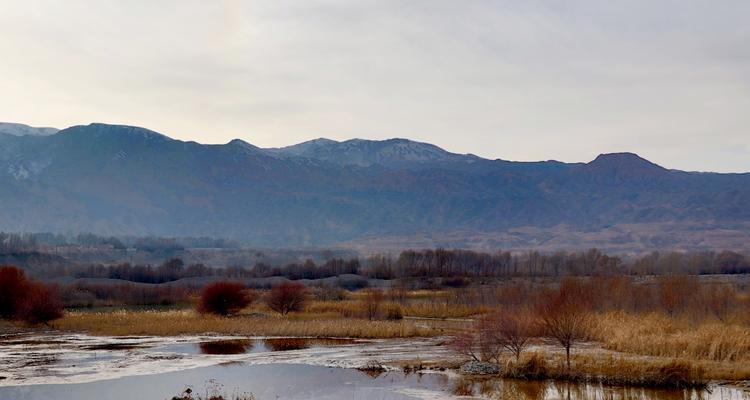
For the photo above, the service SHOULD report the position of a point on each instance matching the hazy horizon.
(524, 82)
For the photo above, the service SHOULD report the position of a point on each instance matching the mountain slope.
(391, 152)
(22, 130)
(114, 179)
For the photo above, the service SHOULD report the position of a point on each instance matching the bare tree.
(513, 330)
(563, 319)
(286, 297)
(371, 302)
(464, 343)
(718, 300)
(478, 342)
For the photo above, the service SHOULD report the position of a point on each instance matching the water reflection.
(241, 346)
(298, 382)
(234, 346)
(489, 388)
(286, 344)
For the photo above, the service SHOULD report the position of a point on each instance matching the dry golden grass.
(413, 308)
(661, 336)
(428, 309)
(341, 307)
(624, 370)
(167, 323)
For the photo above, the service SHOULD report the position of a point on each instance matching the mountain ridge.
(117, 179)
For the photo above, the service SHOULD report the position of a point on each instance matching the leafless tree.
(513, 330)
(563, 319)
(286, 297)
(373, 299)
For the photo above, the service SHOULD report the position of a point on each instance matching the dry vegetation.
(660, 336)
(673, 330)
(167, 323)
(669, 331)
(609, 369)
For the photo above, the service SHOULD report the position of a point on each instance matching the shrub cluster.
(224, 298)
(27, 300)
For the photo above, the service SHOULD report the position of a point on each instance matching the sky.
(517, 80)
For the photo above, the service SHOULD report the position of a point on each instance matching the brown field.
(168, 323)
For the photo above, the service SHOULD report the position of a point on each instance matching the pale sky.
(517, 80)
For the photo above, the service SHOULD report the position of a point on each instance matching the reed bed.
(657, 335)
(612, 370)
(427, 309)
(625, 369)
(418, 308)
(169, 323)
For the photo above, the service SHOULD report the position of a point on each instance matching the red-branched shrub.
(224, 298)
(41, 304)
(286, 297)
(13, 287)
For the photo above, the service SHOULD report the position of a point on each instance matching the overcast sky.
(517, 80)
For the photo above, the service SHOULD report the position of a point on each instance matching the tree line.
(435, 263)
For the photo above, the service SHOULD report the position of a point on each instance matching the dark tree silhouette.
(41, 304)
(13, 288)
(224, 298)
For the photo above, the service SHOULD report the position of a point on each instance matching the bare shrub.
(513, 329)
(13, 287)
(86, 294)
(718, 300)
(328, 292)
(465, 344)
(373, 298)
(287, 297)
(676, 291)
(41, 304)
(224, 298)
(563, 318)
(480, 342)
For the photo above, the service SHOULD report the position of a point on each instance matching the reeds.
(610, 370)
(658, 335)
(168, 323)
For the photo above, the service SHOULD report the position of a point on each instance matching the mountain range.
(125, 180)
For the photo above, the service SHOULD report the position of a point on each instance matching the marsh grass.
(611, 370)
(661, 336)
(168, 323)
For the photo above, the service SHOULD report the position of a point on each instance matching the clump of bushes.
(26, 300)
(224, 298)
(287, 297)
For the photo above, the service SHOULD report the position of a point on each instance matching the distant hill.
(21, 130)
(113, 179)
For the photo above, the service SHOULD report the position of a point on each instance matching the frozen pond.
(83, 367)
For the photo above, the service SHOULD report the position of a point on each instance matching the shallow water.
(296, 381)
(83, 367)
